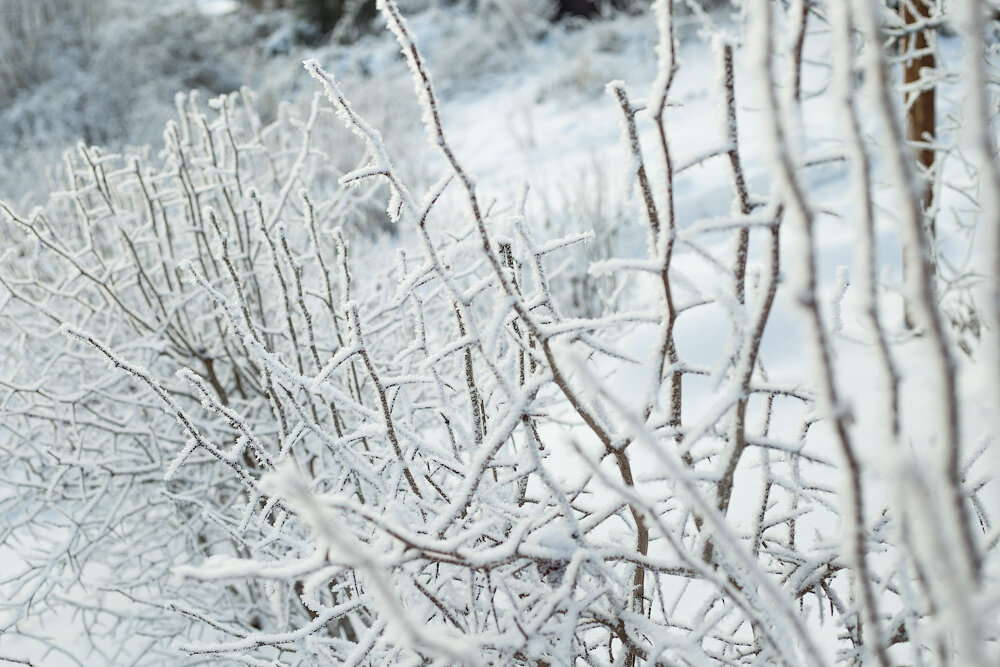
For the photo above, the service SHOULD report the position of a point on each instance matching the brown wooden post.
(920, 115)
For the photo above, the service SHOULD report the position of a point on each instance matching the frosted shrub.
(121, 251)
(105, 71)
(313, 451)
(29, 49)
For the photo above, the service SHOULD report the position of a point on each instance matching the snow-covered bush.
(30, 50)
(104, 71)
(118, 248)
(235, 426)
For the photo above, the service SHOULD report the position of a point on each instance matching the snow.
(216, 7)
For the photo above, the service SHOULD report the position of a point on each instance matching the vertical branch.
(983, 139)
(800, 20)
(379, 388)
(751, 347)
(475, 402)
(923, 303)
(744, 373)
(865, 252)
(768, 481)
(742, 235)
(310, 331)
(917, 50)
(660, 250)
(803, 279)
(918, 53)
(862, 182)
(667, 348)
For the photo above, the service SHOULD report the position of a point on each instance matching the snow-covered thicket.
(235, 427)
(106, 71)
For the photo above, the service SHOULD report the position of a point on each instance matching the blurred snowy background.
(522, 81)
(106, 71)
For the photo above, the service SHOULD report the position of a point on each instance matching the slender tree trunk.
(920, 114)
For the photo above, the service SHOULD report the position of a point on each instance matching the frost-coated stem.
(380, 391)
(865, 252)
(746, 573)
(862, 180)
(799, 18)
(802, 276)
(923, 301)
(917, 47)
(475, 402)
(744, 373)
(432, 119)
(982, 138)
(197, 438)
(660, 253)
(742, 240)
(425, 91)
(747, 360)
(666, 349)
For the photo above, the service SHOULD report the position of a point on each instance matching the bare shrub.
(309, 450)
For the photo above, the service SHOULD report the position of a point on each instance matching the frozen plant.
(313, 451)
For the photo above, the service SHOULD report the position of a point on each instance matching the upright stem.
(917, 49)
(802, 279)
